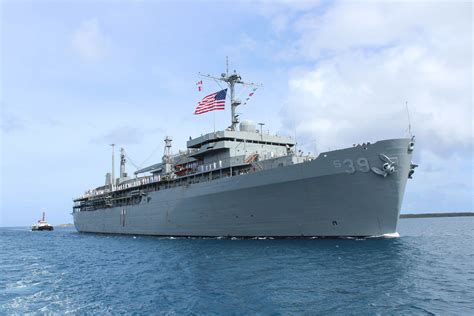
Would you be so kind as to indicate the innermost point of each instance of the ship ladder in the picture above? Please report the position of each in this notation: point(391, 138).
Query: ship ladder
point(251, 158)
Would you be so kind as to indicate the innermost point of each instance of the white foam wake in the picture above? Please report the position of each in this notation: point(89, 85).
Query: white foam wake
point(392, 235)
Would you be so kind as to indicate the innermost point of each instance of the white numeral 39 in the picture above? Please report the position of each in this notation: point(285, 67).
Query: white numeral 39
point(362, 164)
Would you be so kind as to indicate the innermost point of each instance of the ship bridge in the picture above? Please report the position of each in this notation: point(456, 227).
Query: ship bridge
point(223, 145)
point(240, 136)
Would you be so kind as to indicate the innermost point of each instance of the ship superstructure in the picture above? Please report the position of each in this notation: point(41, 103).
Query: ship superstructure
point(243, 182)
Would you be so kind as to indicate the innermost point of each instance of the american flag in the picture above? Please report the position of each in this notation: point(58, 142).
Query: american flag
point(211, 102)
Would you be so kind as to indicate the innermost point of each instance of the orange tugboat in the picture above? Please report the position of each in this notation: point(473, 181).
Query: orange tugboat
point(42, 224)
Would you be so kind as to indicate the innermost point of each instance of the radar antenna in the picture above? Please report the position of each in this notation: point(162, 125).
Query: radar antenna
point(409, 121)
point(227, 65)
point(231, 80)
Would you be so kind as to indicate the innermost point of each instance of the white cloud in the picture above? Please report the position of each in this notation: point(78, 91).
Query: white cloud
point(353, 25)
point(89, 41)
point(376, 57)
point(282, 12)
point(362, 60)
point(359, 96)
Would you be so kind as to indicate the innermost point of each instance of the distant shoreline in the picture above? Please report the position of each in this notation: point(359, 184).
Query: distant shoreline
point(427, 215)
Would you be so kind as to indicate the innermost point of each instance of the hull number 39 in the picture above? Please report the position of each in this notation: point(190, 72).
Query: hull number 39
point(351, 166)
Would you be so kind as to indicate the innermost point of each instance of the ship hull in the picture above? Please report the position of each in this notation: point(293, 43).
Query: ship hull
point(335, 195)
point(42, 228)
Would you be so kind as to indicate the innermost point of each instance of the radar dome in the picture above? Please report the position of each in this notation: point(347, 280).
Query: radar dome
point(248, 126)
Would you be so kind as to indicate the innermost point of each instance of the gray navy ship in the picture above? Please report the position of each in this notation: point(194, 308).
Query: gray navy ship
point(245, 183)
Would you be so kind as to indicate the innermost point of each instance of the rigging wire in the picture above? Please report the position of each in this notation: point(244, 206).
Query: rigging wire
point(151, 155)
point(218, 83)
point(138, 167)
point(130, 159)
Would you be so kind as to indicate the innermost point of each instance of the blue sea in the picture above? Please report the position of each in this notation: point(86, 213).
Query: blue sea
point(428, 270)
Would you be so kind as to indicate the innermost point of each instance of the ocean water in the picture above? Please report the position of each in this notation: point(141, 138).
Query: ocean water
point(429, 269)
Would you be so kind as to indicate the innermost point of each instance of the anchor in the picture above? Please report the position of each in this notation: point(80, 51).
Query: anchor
point(387, 168)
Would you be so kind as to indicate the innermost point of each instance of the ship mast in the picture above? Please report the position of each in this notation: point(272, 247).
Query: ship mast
point(113, 166)
point(167, 156)
point(123, 161)
point(231, 80)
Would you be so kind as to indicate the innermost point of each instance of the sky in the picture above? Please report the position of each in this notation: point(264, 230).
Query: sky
point(76, 76)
